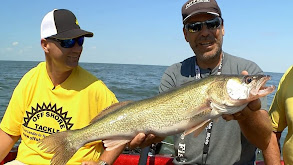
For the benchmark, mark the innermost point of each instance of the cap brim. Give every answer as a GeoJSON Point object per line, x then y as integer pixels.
{"type": "Point", "coordinates": [74, 33]}
{"type": "Point", "coordinates": [199, 12]}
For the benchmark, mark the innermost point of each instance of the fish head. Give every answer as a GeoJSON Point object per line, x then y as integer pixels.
{"type": "Point", "coordinates": [243, 89]}
{"type": "Point", "coordinates": [231, 93]}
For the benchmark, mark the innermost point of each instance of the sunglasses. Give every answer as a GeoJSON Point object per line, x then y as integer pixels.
{"type": "Point", "coordinates": [70, 42]}
{"type": "Point", "coordinates": [197, 26]}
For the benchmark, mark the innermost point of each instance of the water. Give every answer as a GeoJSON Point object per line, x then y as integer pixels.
{"type": "Point", "coordinates": [128, 82]}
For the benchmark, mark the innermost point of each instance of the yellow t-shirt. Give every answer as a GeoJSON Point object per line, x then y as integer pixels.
{"type": "Point", "coordinates": [38, 109]}
{"type": "Point", "coordinates": [281, 113]}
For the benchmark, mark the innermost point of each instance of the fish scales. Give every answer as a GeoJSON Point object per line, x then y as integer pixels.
{"type": "Point", "coordinates": [186, 108]}
{"type": "Point", "coordinates": [154, 114]}
{"type": "Point", "coordinates": [157, 115]}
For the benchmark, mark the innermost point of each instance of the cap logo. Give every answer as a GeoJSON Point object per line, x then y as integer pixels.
{"type": "Point", "coordinates": [193, 2]}
{"type": "Point", "coordinates": [76, 22]}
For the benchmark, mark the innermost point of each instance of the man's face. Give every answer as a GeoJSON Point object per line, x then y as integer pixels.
{"type": "Point", "coordinates": [66, 58]}
{"type": "Point", "coordinates": [206, 43]}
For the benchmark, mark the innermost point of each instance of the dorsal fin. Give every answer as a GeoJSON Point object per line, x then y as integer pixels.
{"type": "Point", "coordinates": [110, 109]}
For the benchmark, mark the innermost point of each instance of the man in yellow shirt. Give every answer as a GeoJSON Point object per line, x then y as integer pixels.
{"type": "Point", "coordinates": [57, 95]}
{"type": "Point", "coordinates": [281, 113]}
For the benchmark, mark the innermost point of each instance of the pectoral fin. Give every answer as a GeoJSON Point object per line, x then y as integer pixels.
{"type": "Point", "coordinates": [112, 144]}
{"type": "Point", "coordinates": [216, 119]}
{"type": "Point", "coordinates": [195, 111]}
{"type": "Point", "coordinates": [198, 128]}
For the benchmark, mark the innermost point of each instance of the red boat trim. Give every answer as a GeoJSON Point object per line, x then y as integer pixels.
{"type": "Point", "coordinates": [123, 159]}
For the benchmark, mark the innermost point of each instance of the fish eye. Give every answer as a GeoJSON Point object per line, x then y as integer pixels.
{"type": "Point", "coordinates": [248, 80]}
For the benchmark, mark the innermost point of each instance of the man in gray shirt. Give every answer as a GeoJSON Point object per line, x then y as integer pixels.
{"type": "Point", "coordinates": [222, 143]}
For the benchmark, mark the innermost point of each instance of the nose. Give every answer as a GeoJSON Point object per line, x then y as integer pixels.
{"type": "Point", "coordinates": [205, 31]}
{"type": "Point", "coordinates": [77, 48]}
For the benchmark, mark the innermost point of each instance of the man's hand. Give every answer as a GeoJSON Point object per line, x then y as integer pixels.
{"type": "Point", "coordinates": [254, 123]}
{"type": "Point", "coordinates": [142, 140]}
{"type": "Point", "coordinates": [252, 106]}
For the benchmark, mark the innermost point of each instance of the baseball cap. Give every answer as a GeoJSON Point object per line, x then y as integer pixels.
{"type": "Point", "coordinates": [193, 7]}
{"type": "Point", "coordinates": [62, 24]}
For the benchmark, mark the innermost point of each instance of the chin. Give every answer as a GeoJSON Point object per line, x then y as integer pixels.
{"type": "Point", "coordinates": [208, 56]}
{"type": "Point", "coordinates": [211, 54]}
{"type": "Point", "coordinates": [72, 65]}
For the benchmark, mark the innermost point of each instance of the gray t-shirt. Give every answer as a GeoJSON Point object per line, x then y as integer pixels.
{"type": "Point", "coordinates": [227, 144]}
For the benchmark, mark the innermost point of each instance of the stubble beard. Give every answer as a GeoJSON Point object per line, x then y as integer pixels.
{"type": "Point", "coordinates": [212, 55]}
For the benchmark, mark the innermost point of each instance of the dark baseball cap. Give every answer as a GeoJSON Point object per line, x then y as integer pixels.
{"type": "Point", "coordinates": [62, 24]}
{"type": "Point", "coordinates": [193, 7]}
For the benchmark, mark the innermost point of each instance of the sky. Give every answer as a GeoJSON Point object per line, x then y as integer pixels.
{"type": "Point", "coordinates": [149, 32]}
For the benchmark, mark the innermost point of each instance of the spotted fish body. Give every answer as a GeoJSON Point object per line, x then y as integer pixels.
{"type": "Point", "coordinates": [188, 108]}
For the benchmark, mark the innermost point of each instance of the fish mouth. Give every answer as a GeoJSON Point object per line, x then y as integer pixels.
{"type": "Point", "coordinates": [261, 89]}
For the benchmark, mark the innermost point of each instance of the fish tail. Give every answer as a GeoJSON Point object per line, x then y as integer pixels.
{"type": "Point", "coordinates": [61, 145]}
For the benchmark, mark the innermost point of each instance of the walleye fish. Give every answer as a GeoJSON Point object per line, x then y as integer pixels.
{"type": "Point", "coordinates": [187, 109]}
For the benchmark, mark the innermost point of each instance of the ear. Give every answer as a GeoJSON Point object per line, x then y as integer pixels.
{"type": "Point", "coordinates": [185, 34]}
{"type": "Point", "coordinates": [223, 30]}
{"type": "Point", "coordinates": [45, 45]}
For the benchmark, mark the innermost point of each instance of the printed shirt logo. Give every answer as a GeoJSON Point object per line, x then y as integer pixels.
{"type": "Point", "coordinates": [195, 2]}
{"type": "Point", "coordinates": [41, 119]}
{"type": "Point", "coordinates": [181, 149]}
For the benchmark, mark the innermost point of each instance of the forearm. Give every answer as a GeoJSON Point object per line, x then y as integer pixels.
{"type": "Point", "coordinates": [272, 155]}
{"type": "Point", "coordinates": [256, 127]}
{"type": "Point", "coordinates": [6, 143]}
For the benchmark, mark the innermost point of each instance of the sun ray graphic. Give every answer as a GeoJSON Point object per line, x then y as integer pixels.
{"type": "Point", "coordinates": [41, 109]}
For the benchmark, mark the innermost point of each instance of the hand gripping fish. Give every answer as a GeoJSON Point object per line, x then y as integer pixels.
{"type": "Point", "coordinates": [187, 109]}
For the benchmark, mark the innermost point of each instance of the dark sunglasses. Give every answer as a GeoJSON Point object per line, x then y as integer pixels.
{"type": "Point", "coordinates": [197, 26]}
{"type": "Point", "coordinates": [70, 42]}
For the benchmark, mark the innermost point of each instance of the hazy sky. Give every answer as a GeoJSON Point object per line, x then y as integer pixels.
{"type": "Point", "coordinates": [150, 31]}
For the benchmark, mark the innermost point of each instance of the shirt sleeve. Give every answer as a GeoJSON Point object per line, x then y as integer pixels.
{"type": "Point", "coordinates": [168, 80]}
